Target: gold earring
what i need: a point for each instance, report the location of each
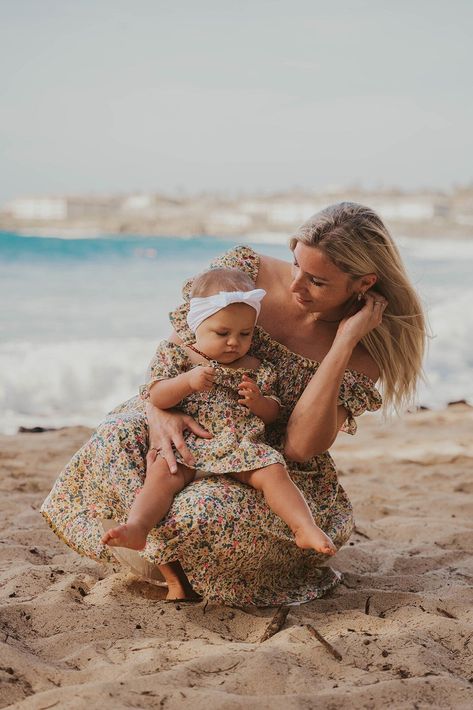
(360, 296)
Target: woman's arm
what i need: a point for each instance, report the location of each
(316, 419)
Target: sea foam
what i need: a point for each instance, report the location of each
(74, 382)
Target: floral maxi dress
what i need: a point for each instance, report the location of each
(233, 548)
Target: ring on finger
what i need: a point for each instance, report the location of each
(155, 448)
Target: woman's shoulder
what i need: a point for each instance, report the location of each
(361, 367)
(362, 362)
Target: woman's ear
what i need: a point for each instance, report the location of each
(368, 281)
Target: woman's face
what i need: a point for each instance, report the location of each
(318, 285)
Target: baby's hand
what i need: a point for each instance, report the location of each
(201, 379)
(249, 391)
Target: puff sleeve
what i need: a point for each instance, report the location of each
(357, 394)
(170, 360)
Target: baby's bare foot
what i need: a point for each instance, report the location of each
(314, 538)
(130, 535)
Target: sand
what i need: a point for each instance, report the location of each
(76, 634)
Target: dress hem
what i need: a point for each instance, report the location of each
(64, 539)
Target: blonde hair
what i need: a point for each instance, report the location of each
(357, 241)
(214, 280)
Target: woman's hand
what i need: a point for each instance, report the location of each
(166, 429)
(356, 325)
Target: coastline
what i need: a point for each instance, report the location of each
(417, 213)
(78, 633)
(436, 229)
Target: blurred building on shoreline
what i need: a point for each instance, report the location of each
(416, 213)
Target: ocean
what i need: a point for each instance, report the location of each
(80, 318)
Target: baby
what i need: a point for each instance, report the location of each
(231, 394)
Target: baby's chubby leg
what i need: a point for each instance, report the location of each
(285, 499)
(150, 505)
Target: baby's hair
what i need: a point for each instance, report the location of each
(212, 281)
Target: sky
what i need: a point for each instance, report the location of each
(133, 95)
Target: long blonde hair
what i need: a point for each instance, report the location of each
(357, 241)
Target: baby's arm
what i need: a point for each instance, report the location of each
(266, 408)
(168, 393)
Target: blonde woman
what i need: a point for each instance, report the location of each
(340, 317)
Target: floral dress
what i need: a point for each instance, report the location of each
(238, 434)
(232, 547)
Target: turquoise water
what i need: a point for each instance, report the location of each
(80, 318)
(84, 288)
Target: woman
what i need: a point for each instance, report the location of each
(341, 317)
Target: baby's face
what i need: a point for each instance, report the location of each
(226, 336)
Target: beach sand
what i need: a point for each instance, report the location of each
(76, 634)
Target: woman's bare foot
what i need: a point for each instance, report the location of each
(131, 535)
(314, 538)
(179, 586)
(179, 592)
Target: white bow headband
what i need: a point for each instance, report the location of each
(202, 308)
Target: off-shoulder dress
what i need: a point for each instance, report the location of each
(233, 548)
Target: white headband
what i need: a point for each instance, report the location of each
(202, 308)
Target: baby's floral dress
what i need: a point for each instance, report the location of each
(233, 548)
(237, 442)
